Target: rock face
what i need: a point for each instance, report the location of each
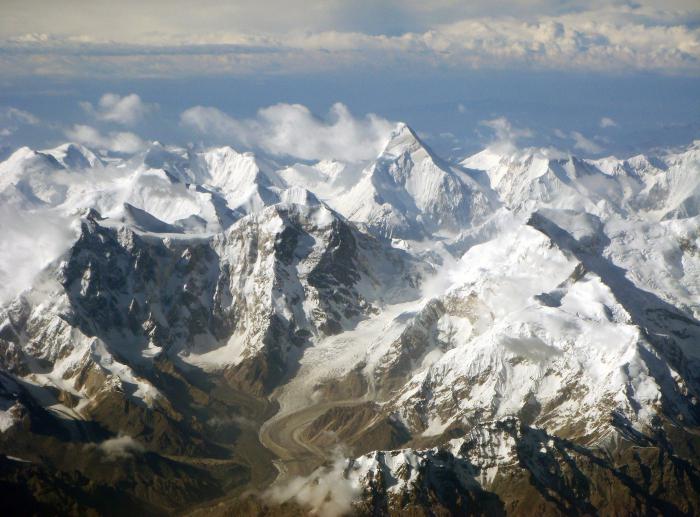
(250, 298)
(510, 335)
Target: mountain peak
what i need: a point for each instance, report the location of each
(27, 158)
(73, 155)
(403, 139)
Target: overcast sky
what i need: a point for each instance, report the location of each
(590, 77)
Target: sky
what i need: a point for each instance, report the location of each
(591, 78)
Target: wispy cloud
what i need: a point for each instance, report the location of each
(156, 20)
(17, 116)
(584, 144)
(13, 118)
(505, 135)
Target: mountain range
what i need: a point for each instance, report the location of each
(212, 332)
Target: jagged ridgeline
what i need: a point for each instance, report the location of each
(210, 332)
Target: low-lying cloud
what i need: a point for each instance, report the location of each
(292, 130)
(121, 447)
(328, 491)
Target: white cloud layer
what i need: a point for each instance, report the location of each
(115, 141)
(127, 110)
(292, 130)
(593, 36)
(136, 20)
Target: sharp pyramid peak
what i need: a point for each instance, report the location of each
(404, 139)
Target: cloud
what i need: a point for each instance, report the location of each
(121, 447)
(127, 110)
(607, 122)
(212, 121)
(329, 491)
(155, 20)
(584, 144)
(115, 141)
(506, 136)
(292, 130)
(11, 119)
(596, 36)
(17, 116)
(581, 142)
(29, 241)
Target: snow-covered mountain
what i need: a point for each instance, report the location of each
(410, 193)
(512, 332)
